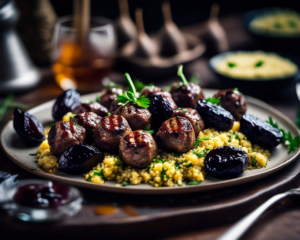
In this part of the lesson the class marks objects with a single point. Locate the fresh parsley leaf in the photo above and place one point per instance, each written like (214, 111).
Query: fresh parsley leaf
(98, 99)
(193, 183)
(231, 64)
(163, 173)
(99, 174)
(259, 63)
(179, 108)
(292, 24)
(236, 137)
(189, 165)
(147, 129)
(143, 102)
(254, 161)
(274, 124)
(177, 166)
(181, 75)
(213, 100)
(185, 111)
(109, 113)
(139, 86)
(125, 184)
(198, 140)
(90, 179)
(199, 154)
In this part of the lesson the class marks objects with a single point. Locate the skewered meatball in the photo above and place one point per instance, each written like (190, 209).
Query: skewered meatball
(138, 149)
(93, 107)
(233, 101)
(193, 116)
(64, 135)
(149, 90)
(88, 120)
(176, 135)
(109, 131)
(114, 106)
(110, 95)
(186, 96)
(166, 95)
(137, 117)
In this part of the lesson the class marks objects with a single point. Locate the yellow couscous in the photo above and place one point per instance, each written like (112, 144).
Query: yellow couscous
(167, 169)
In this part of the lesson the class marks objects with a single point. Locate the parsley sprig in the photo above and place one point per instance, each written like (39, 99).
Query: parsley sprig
(181, 75)
(147, 129)
(213, 100)
(130, 96)
(198, 140)
(288, 140)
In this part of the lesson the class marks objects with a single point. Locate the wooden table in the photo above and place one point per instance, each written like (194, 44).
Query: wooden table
(280, 224)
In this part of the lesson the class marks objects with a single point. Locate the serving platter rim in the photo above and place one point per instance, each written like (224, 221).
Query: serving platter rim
(161, 190)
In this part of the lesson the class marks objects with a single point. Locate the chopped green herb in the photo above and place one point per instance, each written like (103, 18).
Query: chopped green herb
(180, 74)
(231, 64)
(109, 113)
(259, 63)
(118, 163)
(179, 108)
(175, 154)
(292, 24)
(198, 140)
(200, 154)
(125, 184)
(51, 125)
(99, 174)
(72, 116)
(254, 161)
(117, 157)
(98, 99)
(147, 129)
(177, 166)
(185, 111)
(189, 165)
(274, 124)
(130, 96)
(90, 179)
(236, 137)
(157, 160)
(193, 183)
(139, 86)
(163, 173)
(213, 100)
(277, 25)
(77, 125)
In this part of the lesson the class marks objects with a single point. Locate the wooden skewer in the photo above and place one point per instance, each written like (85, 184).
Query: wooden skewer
(139, 20)
(214, 12)
(123, 6)
(167, 12)
(81, 19)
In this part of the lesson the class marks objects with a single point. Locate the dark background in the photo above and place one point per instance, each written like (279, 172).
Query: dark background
(185, 12)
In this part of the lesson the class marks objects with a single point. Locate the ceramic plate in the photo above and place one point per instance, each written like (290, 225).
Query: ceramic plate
(19, 153)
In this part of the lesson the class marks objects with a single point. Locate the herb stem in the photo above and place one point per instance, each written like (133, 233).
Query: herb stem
(131, 85)
(180, 74)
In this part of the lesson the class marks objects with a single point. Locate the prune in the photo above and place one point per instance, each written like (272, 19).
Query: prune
(79, 159)
(186, 96)
(3, 176)
(226, 162)
(214, 116)
(42, 196)
(28, 127)
(260, 132)
(92, 107)
(160, 109)
(233, 101)
(66, 102)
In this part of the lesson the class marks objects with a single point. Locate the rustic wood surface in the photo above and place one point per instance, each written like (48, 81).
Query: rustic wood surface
(192, 216)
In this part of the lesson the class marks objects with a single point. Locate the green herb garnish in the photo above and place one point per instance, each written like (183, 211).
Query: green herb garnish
(5, 105)
(175, 154)
(199, 154)
(130, 96)
(288, 140)
(292, 24)
(163, 173)
(32, 154)
(157, 160)
(236, 137)
(259, 63)
(195, 78)
(99, 174)
(180, 74)
(109, 113)
(297, 120)
(87, 102)
(193, 183)
(51, 125)
(118, 163)
(198, 140)
(125, 184)
(185, 111)
(213, 100)
(189, 165)
(72, 116)
(98, 99)
(147, 129)
(231, 64)
(139, 86)
(177, 165)
(254, 161)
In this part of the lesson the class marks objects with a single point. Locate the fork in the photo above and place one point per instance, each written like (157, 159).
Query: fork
(238, 229)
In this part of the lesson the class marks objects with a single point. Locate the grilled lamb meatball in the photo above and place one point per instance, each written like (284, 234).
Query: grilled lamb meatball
(138, 149)
(93, 107)
(88, 120)
(186, 96)
(176, 135)
(137, 117)
(193, 116)
(109, 131)
(64, 135)
(149, 90)
(233, 101)
(110, 95)
(166, 95)
(114, 106)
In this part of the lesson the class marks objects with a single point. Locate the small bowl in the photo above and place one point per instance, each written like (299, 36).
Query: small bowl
(286, 43)
(256, 86)
(30, 214)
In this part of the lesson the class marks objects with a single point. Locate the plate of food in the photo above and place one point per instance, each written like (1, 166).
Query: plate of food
(153, 142)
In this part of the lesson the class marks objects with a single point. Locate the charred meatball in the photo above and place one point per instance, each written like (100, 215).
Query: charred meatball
(110, 95)
(64, 135)
(176, 135)
(109, 131)
(166, 95)
(137, 117)
(92, 107)
(138, 149)
(114, 106)
(149, 90)
(186, 96)
(193, 116)
(88, 120)
(233, 101)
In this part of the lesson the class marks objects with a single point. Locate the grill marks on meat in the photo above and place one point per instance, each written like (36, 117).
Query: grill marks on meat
(93, 107)
(88, 120)
(176, 135)
(109, 131)
(138, 149)
(137, 117)
(193, 116)
(64, 135)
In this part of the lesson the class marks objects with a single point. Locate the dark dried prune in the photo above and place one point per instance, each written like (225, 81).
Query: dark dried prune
(28, 127)
(160, 109)
(214, 116)
(260, 132)
(79, 159)
(226, 162)
(66, 102)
